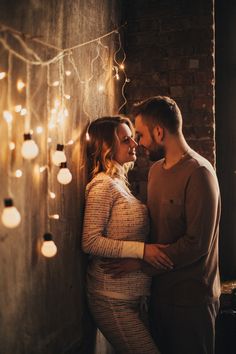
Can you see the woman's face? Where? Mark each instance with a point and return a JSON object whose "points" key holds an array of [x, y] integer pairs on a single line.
{"points": [[125, 148]]}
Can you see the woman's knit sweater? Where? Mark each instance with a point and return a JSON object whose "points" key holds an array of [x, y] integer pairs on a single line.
{"points": [[115, 226]]}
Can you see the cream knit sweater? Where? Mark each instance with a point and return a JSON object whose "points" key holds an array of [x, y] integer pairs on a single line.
{"points": [[115, 226]]}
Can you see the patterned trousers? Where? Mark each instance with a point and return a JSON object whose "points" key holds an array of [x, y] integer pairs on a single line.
{"points": [[123, 324]]}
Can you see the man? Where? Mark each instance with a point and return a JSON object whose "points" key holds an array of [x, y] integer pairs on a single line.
{"points": [[184, 204]]}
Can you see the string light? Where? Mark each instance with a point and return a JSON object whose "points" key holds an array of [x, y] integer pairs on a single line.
{"points": [[18, 173], [52, 195], [57, 113], [39, 130], [64, 176], [54, 216], [20, 85], [59, 156], [29, 149], [48, 248], [7, 116], [12, 145], [2, 75], [10, 216], [18, 108]]}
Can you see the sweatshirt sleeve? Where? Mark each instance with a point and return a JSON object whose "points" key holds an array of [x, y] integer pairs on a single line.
{"points": [[98, 208], [202, 212]]}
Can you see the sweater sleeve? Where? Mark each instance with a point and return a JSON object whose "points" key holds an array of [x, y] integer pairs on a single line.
{"points": [[202, 212], [99, 202]]}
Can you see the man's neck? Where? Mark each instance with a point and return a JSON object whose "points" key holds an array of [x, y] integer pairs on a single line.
{"points": [[176, 150]]}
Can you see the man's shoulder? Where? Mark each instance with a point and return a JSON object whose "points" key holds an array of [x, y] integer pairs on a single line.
{"points": [[197, 161]]}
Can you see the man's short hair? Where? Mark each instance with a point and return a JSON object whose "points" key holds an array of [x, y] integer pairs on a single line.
{"points": [[160, 110]]}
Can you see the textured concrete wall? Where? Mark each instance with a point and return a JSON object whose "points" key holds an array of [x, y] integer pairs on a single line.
{"points": [[42, 307]]}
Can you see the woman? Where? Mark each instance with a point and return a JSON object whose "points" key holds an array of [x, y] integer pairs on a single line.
{"points": [[116, 226]]}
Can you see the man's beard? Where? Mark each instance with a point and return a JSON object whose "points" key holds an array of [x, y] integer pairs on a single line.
{"points": [[156, 151]]}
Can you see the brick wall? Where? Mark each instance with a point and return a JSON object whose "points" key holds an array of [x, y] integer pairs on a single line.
{"points": [[169, 47]]}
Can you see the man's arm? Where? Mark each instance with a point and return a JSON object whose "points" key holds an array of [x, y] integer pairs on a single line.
{"points": [[202, 219]]}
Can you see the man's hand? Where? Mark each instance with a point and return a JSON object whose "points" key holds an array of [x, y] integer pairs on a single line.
{"points": [[156, 257], [119, 267]]}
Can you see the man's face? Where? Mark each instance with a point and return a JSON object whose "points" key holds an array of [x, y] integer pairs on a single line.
{"points": [[147, 140]]}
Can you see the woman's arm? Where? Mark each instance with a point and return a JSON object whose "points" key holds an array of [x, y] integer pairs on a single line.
{"points": [[99, 203]]}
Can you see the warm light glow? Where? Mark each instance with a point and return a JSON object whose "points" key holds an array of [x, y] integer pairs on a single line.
{"points": [[20, 85], [18, 108], [70, 142], [101, 88], [54, 216], [29, 149], [52, 195], [64, 176], [55, 83], [48, 249], [10, 216], [49, 140], [58, 156], [2, 75], [12, 145], [42, 168], [68, 72], [7, 116], [117, 77], [67, 97], [122, 66], [23, 112], [39, 130], [18, 173]]}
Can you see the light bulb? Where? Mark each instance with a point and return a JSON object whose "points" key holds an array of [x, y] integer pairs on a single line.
{"points": [[101, 88], [12, 145], [18, 108], [7, 116], [23, 112], [59, 156], [52, 195], [20, 85], [122, 66], [29, 149], [39, 130], [18, 173], [54, 216], [48, 249], [2, 75], [64, 176], [10, 216], [70, 142], [55, 83], [68, 72]]}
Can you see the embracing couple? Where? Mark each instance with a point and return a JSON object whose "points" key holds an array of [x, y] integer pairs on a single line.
{"points": [[152, 281]]}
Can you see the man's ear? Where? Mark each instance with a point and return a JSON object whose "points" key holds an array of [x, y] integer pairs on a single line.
{"points": [[158, 133]]}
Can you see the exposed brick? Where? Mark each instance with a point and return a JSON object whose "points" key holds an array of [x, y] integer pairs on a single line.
{"points": [[170, 48]]}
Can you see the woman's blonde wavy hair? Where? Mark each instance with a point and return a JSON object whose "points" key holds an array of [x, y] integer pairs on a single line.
{"points": [[101, 147]]}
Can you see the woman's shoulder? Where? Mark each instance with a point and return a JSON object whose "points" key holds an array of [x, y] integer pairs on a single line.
{"points": [[101, 181]]}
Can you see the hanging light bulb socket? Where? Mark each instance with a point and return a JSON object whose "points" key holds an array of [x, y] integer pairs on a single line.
{"points": [[59, 156], [64, 176], [29, 148], [48, 249], [10, 216]]}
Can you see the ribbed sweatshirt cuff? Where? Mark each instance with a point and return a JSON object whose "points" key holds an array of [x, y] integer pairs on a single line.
{"points": [[132, 249]]}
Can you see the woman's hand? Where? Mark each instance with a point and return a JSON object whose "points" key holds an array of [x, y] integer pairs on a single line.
{"points": [[156, 257]]}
